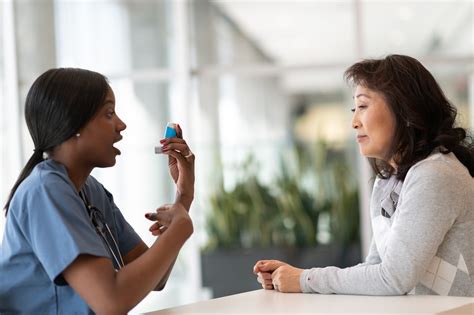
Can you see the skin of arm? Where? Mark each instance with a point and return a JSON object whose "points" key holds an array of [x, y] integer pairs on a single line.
{"points": [[139, 250], [110, 292]]}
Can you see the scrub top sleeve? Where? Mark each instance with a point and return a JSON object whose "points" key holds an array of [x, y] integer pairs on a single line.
{"points": [[58, 227], [127, 237]]}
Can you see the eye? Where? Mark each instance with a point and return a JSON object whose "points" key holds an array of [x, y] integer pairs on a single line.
{"points": [[359, 107], [110, 113]]}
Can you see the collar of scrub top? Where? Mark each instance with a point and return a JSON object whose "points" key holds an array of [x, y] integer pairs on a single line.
{"points": [[102, 228]]}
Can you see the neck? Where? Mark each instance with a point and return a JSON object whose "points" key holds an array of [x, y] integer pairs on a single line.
{"points": [[77, 171], [78, 176]]}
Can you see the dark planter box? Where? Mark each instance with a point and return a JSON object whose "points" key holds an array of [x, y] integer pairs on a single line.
{"points": [[230, 271]]}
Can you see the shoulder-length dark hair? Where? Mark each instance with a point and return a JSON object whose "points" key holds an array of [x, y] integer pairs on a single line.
{"points": [[59, 103], [424, 118]]}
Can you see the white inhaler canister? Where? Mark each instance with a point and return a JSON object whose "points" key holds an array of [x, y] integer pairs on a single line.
{"points": [[170, 132]]}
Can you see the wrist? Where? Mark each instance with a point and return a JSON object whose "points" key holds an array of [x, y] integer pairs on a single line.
{"points": [[182, 225], [185, 200], [298, 280]]}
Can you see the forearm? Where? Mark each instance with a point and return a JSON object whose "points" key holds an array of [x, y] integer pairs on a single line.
{"points": [[139, 250], [162, 283], [109, 292], [362, 279], [136, 280]]}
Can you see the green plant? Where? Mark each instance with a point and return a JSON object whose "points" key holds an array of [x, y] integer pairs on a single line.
{"points": [[286, 213], [243, 216], [297, 199], [344, 211]]}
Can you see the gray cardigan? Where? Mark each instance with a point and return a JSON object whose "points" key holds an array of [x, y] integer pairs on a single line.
{"points": [[426, 246]]}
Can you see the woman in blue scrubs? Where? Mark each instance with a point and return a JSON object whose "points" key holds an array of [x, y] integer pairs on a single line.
{"points": [[66, 247]]}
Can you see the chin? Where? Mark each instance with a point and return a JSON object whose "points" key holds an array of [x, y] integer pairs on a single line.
{"points": [[363, 152], [369, 155], [109, 163], [112, 163]]}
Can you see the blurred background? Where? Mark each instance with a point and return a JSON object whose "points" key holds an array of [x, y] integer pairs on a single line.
{"points": [[257, 87]]}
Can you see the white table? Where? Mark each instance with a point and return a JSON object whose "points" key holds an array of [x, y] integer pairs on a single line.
{"points": [[272, 302]]}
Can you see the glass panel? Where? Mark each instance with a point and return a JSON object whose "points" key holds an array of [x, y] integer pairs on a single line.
{"points": [[4, 184], [113, 37], [286, 32], [414, 28]]}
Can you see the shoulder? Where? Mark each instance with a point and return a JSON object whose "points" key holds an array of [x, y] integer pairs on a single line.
{"points": [[445, 168], [441, 178], [47, 189], [47, 176]]}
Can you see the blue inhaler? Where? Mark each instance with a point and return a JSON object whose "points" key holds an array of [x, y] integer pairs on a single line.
{"points": [[170, 132]]}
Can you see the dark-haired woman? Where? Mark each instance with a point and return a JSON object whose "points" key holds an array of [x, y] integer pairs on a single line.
{"points": [[422, 204], [67, 248]]}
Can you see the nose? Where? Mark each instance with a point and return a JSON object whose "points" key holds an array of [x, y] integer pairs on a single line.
{"points": [[120, 125], [355, 120]]}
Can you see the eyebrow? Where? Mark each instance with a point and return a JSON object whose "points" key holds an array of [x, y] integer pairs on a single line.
{"points": [[361, 94]]}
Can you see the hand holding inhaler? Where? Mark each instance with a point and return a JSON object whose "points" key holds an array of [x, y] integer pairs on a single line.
{"points": [[181, 167]]}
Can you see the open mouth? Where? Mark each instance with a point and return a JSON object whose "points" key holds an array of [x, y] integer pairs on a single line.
{"points": [[117, 150]]}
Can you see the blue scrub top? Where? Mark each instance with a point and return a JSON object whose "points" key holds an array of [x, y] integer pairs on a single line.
{"points": [[47, 227]]}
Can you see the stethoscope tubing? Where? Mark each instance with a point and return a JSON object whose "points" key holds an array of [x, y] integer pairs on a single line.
{"points": [[94, 215]]}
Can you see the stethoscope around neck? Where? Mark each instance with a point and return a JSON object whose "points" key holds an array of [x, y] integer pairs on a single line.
{"points": [[102, 228]]}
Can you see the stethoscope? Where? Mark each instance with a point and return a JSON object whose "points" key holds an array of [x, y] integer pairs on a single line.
{"points": [[98, 221]]}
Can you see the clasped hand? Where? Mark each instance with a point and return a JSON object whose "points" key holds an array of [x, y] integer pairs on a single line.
{"points": [[164, 216], [275, 274]]}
